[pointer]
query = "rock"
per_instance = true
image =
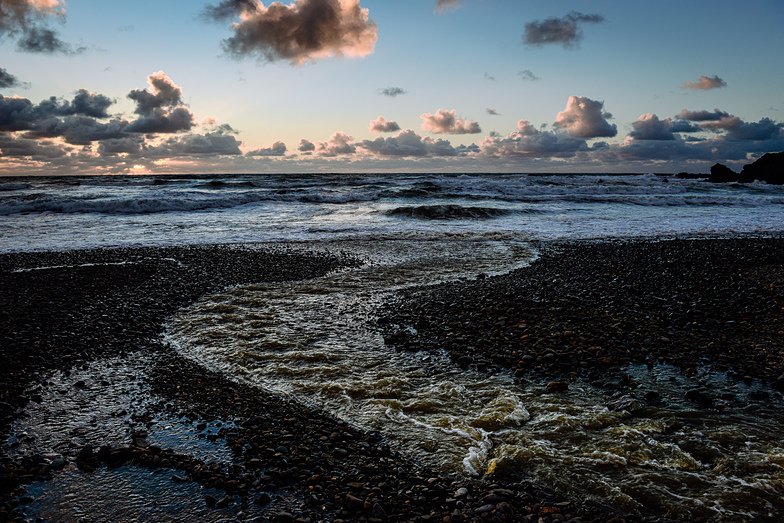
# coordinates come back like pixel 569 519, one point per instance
pixel 283 517
pixel 700 397
pixel 461 493
pixel 769 169
pixel 557 386
pixel 722 174
pixel 353 503
pixel 264 499
pixel 86 454
pixel 628 403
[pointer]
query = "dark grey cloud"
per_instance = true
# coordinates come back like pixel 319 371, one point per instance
pixel 306 146
pixel 209 144
pixel 20 114
pixel 702 116
pixel 307 30
pixel 492 111
pixel 8 80
pixel 564 31
pixel 737 129
pixel 13 147
pixel 408 143
pixel 443 5
pixel 126 145
pixel 528 75
pixel 705 82
pixel 650 127
pixel 160 107
pixel 392 91
pixel 339 144
pixel 45 41
pixel 529 142
pixel 277 149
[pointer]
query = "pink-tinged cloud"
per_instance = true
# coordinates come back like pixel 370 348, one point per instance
pixel 18 15
pixel 702 116
pixel 305 30
pixel 306 146
pixel 585 118
pixel 382 125
pixel 277 149
pixel 527 141
pixel 705 82
pixel 650 127
pixel 447 122
pixel 339 144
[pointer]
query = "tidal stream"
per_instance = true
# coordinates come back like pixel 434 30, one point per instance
pixel 317 342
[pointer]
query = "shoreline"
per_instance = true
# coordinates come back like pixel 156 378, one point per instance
pixel 74 313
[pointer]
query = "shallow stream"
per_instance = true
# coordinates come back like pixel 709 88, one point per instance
pixel 316 342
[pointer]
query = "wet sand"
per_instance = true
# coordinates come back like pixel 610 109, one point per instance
pixel 583 310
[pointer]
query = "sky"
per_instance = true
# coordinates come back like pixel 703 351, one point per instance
pixel 243 86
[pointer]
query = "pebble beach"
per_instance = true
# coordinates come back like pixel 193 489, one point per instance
pixel 581 311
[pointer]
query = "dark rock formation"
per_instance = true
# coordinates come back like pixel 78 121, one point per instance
pixel 720 173
pixel 769 169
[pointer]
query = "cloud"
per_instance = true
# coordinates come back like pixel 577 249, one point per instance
pixel 528 75
pixel 408 143
pixel 392 91
pixel 277 149
pixel 339 144
pixel 160 107
pixel 565 31
pixel 45 41
pixel 737 129
pixel 209 144
pixel 585 118
pixel 447 122
pixel 527 141
pixel 382 125
pixel 306 146
pixel 492 111
pixel 20 114
pixel 702 116
pixel 306 30
pixel 705 83
pixel 9 80
pixel 443 5
pixel 20 15
pixel 41 150
pixel 650 127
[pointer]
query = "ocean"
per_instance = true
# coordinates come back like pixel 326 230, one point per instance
pixel 58 213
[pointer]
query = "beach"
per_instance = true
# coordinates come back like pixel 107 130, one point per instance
pixel 583 311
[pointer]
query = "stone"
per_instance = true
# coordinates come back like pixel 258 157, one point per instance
pixel 557 386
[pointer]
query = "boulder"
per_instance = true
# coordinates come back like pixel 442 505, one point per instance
pixel 720 173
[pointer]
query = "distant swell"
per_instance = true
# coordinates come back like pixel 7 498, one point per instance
pixel 448 212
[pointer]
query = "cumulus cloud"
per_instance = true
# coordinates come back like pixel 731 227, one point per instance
pixel 160 107
pixel 277 149
pixel 650 127
pixel 20 114
pixel 585 118
pixel 382 125
pixel 527 141
pixel 737 129
pixel 408 143
pixel 339 144
pixel 447 122
pixel 306 30
pixel 492 111
pixel 528 75
pixel 306 146
pixel 705 83
pixel 392 91
pixel 565 31
pixel 42 150
pixel 209 144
